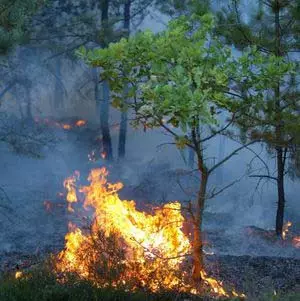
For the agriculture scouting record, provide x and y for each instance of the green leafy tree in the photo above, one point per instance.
(180, 80)
(14, 18)
(273, 26)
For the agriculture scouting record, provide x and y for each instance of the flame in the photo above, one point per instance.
(70, 185)
(66, 126)
(103, 155)
(80, 122)
(285, 229)
(296, 242)
(18, 275)
(125, 246)
(62, 125)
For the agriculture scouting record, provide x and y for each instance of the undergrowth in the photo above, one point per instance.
(41, 284)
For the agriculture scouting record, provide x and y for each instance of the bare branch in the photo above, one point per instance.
(231, 155)
(263, 176)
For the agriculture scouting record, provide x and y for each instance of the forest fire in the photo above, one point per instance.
(125, 247)
(62, 125)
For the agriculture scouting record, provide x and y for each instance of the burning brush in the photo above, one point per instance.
(127, 248)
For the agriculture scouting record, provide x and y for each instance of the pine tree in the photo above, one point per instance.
(14, 19)
(273, 26)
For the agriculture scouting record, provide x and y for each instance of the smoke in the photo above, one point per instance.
(153, 172)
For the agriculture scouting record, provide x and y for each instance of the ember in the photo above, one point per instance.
(285, 229)
(296, 242)
(80, 123)
(139, 249)
(18, 275)
(62, 125)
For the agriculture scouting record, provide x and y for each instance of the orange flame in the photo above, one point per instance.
(285, 229)
(70, 185)
(18, 275)
(66, 126)
(80, 123)
(154, 245)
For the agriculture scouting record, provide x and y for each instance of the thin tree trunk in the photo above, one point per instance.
(280, 192)
(104, 103)
(104, 122)
(123, 123)
(279, 138)
(197, 229)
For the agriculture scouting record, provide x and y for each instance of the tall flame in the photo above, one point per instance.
(140, 249)
(70, 185)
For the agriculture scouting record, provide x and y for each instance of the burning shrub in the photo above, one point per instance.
(126, 248)
(98, 257)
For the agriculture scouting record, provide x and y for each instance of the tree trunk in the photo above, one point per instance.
(279, 137)
(104, 122)
(280, 192)
(197, 230)
(122, 135)
(123, 123)
(104, 103)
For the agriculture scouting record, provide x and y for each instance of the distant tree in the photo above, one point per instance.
(175, 8)
(15, 16)
(180, 79)
(273, 26)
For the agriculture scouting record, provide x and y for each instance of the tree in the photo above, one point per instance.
(14, 19)
(123, 123)
(275, 30)
(180, 80)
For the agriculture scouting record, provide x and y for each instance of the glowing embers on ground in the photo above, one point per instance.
(285, 231)
(125, 247)
(58, 124)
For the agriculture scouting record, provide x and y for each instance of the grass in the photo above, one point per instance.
(41, 285)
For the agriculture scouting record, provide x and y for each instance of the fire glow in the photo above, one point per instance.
(61, 125)
(125, 247)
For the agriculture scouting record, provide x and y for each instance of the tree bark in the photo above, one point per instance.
(124, 118)
(104, 102)
(280, 192)
(104, 122)
(279, 135)
(198, 265)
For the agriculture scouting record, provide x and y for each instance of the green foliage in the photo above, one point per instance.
(276, 119)
(183, 7)
(176, 77)
(14, 16)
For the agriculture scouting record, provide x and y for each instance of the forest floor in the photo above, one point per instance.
(257, 277)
